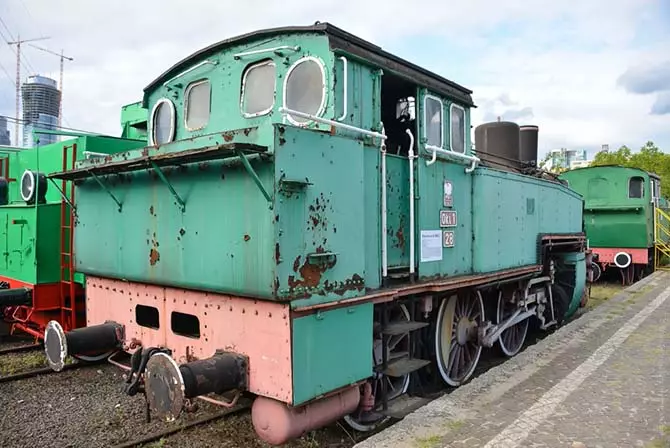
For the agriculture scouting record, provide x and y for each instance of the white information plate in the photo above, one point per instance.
(431, 245)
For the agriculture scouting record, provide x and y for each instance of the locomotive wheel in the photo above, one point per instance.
(398, 345)
(597, 272)
(511, 340)
(456, 346)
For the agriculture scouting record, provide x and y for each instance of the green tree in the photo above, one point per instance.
(650, 158)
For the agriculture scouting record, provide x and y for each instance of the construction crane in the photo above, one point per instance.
(60, 82)
(18, 43)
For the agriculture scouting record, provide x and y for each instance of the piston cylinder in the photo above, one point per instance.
(277, 423)
(168, 385)
(94, 339)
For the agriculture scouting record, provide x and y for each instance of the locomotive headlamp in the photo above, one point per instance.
(622, 260)
(30, 179)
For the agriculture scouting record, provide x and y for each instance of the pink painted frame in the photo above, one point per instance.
(259, 329)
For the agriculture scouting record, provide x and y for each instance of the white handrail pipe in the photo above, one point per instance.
(474, 161)
(411, 200)
(345, 69)
(382, 148)
(337, 124)
(266, 50)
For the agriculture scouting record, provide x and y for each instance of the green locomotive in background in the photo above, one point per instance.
(37, 279)
(623, 218)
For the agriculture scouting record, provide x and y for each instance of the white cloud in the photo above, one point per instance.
(560, 59)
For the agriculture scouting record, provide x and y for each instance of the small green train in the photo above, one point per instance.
(37, 282)
(309, 224)
(620, 217)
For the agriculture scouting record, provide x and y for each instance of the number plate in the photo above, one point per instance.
(447, 218)
(448, 238)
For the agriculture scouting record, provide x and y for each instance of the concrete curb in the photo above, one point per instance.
(433, 419)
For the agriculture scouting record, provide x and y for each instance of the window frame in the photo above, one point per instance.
(426, 97)
(451, 134)
(247, 69)
(173, 120)
(630, 179)
(189, 87)
(324, 90)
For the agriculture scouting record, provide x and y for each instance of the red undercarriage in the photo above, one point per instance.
(47, 305)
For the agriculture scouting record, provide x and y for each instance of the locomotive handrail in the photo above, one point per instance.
(167, 159)
(474, 160)
(615, 208)
(345, 94)
(266, 50)
(337, 124)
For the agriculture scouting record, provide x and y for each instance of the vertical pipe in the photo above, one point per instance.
(411, 202)
(383, 207)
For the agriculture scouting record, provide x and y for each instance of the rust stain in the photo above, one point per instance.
(400, 235)
(310, 272)
(154, 256)
(228, 136)
(190, 357)
(296, 264)
(277, 254)
(247, 237)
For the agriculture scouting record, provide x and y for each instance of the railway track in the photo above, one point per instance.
(195, 423)
(25, 349)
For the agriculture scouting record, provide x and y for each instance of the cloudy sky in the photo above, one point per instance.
(588, 72)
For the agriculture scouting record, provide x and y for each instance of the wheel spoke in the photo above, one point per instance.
(462, 315)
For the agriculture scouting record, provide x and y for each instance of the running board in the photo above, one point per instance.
(402, 366)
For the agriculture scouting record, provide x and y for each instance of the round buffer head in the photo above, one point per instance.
(55, 345)
(164, 386)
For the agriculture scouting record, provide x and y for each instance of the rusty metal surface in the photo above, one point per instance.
(164, 387)
(171, 158)
(435, 286)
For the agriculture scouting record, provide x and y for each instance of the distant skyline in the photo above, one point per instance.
(587, 73)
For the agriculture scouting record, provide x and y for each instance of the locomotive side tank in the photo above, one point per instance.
(308, 209)
(619, 205)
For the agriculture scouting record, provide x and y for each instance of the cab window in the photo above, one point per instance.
(636, 187)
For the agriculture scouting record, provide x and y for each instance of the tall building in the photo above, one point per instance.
(566, 159)
(41, 101)
(4, 132)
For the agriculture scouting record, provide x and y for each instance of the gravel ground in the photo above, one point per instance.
(86, 407)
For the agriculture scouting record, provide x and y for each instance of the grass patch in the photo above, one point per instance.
(20, 362)
(454, 425)
(601, 293)
(428, 442)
